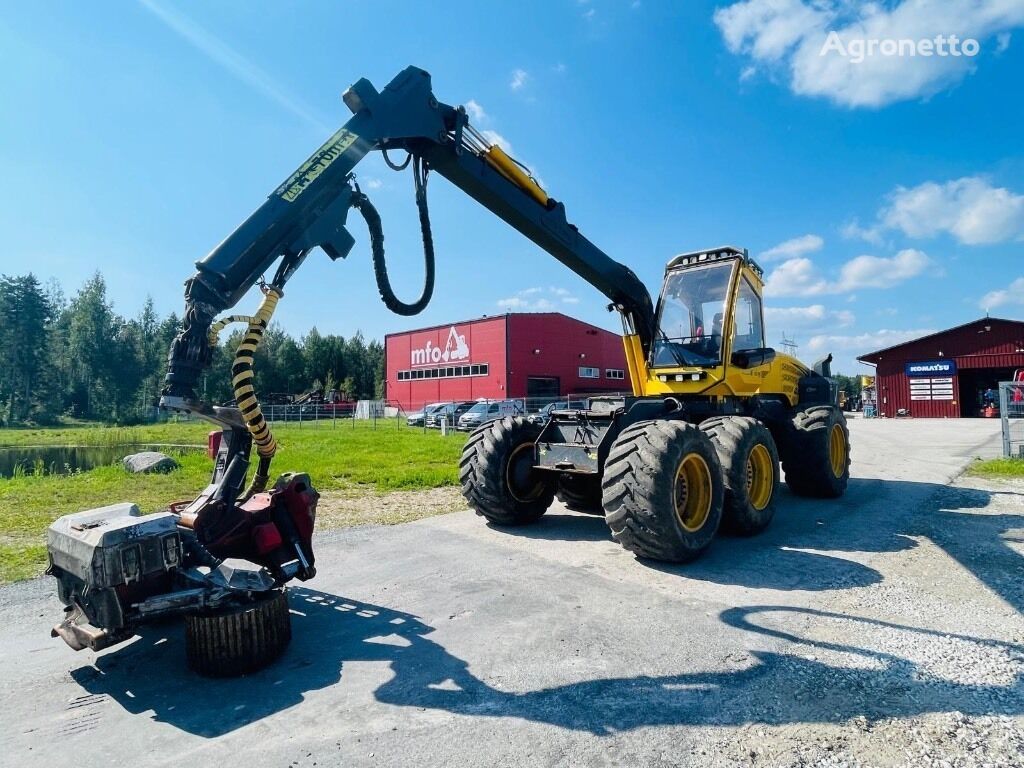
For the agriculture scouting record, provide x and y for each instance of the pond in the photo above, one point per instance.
(66, 459)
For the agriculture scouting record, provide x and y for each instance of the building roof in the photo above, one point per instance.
(500, 314)
(867, 357)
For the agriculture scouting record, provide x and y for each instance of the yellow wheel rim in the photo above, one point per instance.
(837, 450)
(760, 477)
(692, 492)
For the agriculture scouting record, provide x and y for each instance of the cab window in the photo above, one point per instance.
(748, 329)
(690, 317)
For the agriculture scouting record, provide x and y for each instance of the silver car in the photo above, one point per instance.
(483, 412)
(451, 412)
(418, 418)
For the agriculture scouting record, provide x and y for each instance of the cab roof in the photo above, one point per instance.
(709, 255)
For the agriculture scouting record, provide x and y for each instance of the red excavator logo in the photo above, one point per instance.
(455, 348)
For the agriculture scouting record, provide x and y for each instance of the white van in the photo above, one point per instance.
(489, 410)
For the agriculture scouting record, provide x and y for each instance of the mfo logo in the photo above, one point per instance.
(455, 348)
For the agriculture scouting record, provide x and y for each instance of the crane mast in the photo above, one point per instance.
(310, 208)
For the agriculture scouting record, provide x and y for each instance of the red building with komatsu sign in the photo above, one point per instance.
(520, 355)
(948, 374)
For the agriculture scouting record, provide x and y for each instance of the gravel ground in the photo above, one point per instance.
(884, 629)
(913, 642)
(357, 506)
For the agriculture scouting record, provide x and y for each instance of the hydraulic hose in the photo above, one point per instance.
(242, 384)
(362, 203)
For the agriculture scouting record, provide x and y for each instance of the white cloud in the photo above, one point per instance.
(796, 277)
(476, 112)
(519, 79)
(493, 137)
(879, 272)
(970, 209)
(813, 317)
(768, 30)
(800, 276)
(538, 299)
(372, 183)
(1012, 294)
(789, 249)
(862, 343)
(852, 230)
(790, 35)
(482, 118)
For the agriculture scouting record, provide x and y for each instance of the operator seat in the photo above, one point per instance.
(715, 341)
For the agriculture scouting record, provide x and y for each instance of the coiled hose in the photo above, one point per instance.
(242, 383)
(242, 367)
(362, 203)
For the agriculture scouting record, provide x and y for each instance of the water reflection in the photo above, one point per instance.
(67, 459)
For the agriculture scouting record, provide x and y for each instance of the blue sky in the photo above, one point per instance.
(885, 199)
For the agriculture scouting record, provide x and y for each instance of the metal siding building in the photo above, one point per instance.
(945, 375)
(518, 355)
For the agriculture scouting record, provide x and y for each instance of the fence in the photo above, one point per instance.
(1011, 413)
(382, 413)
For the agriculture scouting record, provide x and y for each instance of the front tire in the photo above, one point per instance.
(497, 475)
(750, 469)
(816, 458)
(662, 490)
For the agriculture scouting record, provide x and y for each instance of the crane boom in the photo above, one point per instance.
(310, 207)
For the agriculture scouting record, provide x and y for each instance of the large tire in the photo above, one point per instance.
(497, 475)
(662, 490)
(750, 469)
(241, 639)
(816, 457)
(580, 493)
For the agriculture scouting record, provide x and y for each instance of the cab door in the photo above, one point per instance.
(747, 334)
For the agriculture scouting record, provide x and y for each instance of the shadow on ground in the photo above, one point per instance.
(331, 632)
(796, 551)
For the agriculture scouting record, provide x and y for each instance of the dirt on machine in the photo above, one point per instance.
(696, 448)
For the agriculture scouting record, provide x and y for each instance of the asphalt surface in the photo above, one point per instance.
(446, 642)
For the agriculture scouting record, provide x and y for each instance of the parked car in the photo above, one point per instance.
(452, 412)
(544, 414)
(483, 412)
(418, 418)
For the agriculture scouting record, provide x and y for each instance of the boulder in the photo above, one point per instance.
(149, 461)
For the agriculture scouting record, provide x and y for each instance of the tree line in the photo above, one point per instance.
(77, 357)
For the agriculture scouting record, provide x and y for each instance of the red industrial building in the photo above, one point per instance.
(517, 355)
(947, 374)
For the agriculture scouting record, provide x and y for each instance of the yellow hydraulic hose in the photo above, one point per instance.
(242, 375)
(242, 385)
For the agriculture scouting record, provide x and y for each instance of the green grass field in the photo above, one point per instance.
(350, 454)
(997, 468)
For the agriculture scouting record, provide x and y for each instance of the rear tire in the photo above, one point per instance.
(816, 458)
(497, 475)
(239, 640)
(750, 470)
(580, 493)
(662, 490)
